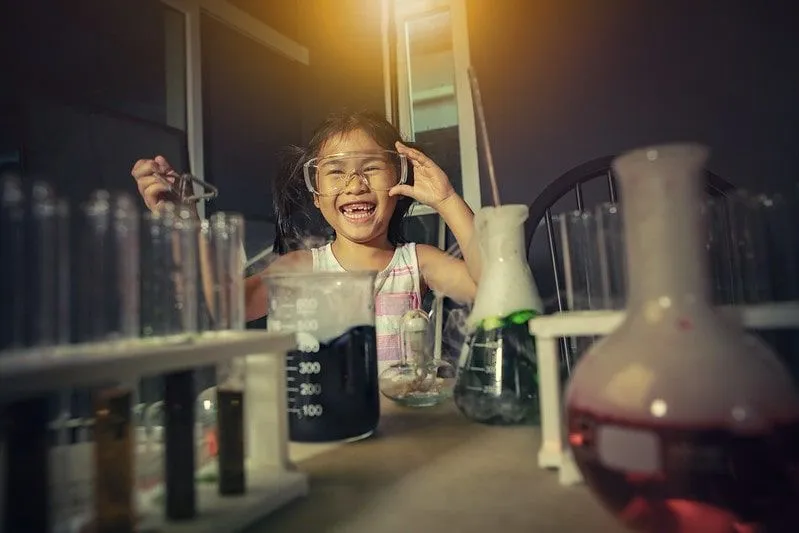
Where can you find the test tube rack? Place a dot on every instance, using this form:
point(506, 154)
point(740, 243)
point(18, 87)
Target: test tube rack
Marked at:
point(548, 331)
point(272, 481)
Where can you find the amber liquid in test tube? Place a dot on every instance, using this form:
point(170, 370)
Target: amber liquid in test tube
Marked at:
point(113, 453)
point(109, 272)
point(179, 271)
point(230, 427)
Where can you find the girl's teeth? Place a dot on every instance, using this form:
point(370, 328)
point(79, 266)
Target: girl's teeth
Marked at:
point(358, 212)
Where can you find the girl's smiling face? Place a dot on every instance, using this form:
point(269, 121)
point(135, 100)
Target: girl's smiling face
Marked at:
point(356, 211)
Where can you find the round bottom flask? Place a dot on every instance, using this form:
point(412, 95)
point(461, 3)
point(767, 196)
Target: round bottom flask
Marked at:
point(679, 421)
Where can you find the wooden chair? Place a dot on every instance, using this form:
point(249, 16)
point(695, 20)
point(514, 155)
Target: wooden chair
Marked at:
point(583, 187)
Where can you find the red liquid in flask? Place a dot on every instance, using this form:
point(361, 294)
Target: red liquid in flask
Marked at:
point(699, 479)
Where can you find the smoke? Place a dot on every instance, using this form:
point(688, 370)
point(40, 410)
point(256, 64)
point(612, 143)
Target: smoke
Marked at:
point(454, 331)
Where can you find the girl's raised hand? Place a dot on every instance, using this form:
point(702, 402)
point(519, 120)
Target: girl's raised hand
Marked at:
point(431, 185)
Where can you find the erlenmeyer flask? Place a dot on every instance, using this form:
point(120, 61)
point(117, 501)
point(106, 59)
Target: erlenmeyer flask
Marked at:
point(498, 378)
point(497, 375)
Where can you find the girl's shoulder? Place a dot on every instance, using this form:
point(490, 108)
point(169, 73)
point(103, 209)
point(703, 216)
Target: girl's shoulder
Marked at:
point(292, 261)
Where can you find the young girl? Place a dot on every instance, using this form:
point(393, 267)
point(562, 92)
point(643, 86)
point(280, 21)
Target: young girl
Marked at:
point(353, 171)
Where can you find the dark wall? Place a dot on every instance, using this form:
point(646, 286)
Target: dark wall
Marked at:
point(251, 110)
point(563, 83)
point(83, 91)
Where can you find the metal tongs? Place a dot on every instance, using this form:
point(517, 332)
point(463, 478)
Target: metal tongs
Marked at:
point(184, 190)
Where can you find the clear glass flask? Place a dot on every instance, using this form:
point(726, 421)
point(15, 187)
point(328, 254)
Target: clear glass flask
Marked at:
point(418, 379)
point(497, 373)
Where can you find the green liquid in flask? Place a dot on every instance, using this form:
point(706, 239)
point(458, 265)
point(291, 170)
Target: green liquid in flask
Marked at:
point(498, 379)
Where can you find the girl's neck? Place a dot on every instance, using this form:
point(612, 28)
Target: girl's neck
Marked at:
point(373, 255)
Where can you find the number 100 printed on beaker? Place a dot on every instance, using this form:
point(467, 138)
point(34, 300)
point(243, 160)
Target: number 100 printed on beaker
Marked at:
point(332, 375)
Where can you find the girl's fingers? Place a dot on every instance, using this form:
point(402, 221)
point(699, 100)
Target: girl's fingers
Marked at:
point(415, 155)
point(401, 190)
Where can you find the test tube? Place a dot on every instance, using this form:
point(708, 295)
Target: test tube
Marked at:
point(780, 232)
point(179, 387)
point(108, 311)
point(49, 266)
point(179, 445)
point(223, 276)
point(750, 250)
point(12, 280)
point(719, 248)
point(169, 273)
point(578, 235)
point(230, 429)
point(581, 269)
point(169, 277)
point(48, 297)
point(108, 269)
point(224, 239)
point(612, 265)
point(778, 213)
point(113, 452)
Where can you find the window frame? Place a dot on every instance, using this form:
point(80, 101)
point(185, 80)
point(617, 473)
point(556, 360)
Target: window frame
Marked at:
point(396, 78)
point(243, 23)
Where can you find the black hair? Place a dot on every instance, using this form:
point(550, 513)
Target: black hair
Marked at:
point(293, 201)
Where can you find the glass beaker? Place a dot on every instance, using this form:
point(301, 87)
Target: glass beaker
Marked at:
point(332, 375)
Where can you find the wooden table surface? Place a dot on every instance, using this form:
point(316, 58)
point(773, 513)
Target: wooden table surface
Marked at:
point(431, 470)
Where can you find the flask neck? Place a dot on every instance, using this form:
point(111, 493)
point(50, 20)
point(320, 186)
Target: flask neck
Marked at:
point(664, 225)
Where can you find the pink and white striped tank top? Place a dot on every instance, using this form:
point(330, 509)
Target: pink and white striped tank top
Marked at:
point(397, 290)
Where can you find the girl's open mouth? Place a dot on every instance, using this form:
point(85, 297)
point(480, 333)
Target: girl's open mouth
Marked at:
point(358, 212)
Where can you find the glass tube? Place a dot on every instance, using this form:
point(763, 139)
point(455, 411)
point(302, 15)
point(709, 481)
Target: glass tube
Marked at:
point(720, 251)
point(223, 275)
point(48, 267)
point(612, 267)
point(581, 270)
point(751, 277)
point(578, 237)
point(49, 264)
point(108, 269)
point(12, 267)
point(230, 430)
point(776, 214)
point(169, 310)
point(223, 281)
point(169, 273)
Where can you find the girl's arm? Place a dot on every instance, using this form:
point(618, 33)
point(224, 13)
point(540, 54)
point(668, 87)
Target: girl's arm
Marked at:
point(256, 297)
point(443, 273)
point(459, 218)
